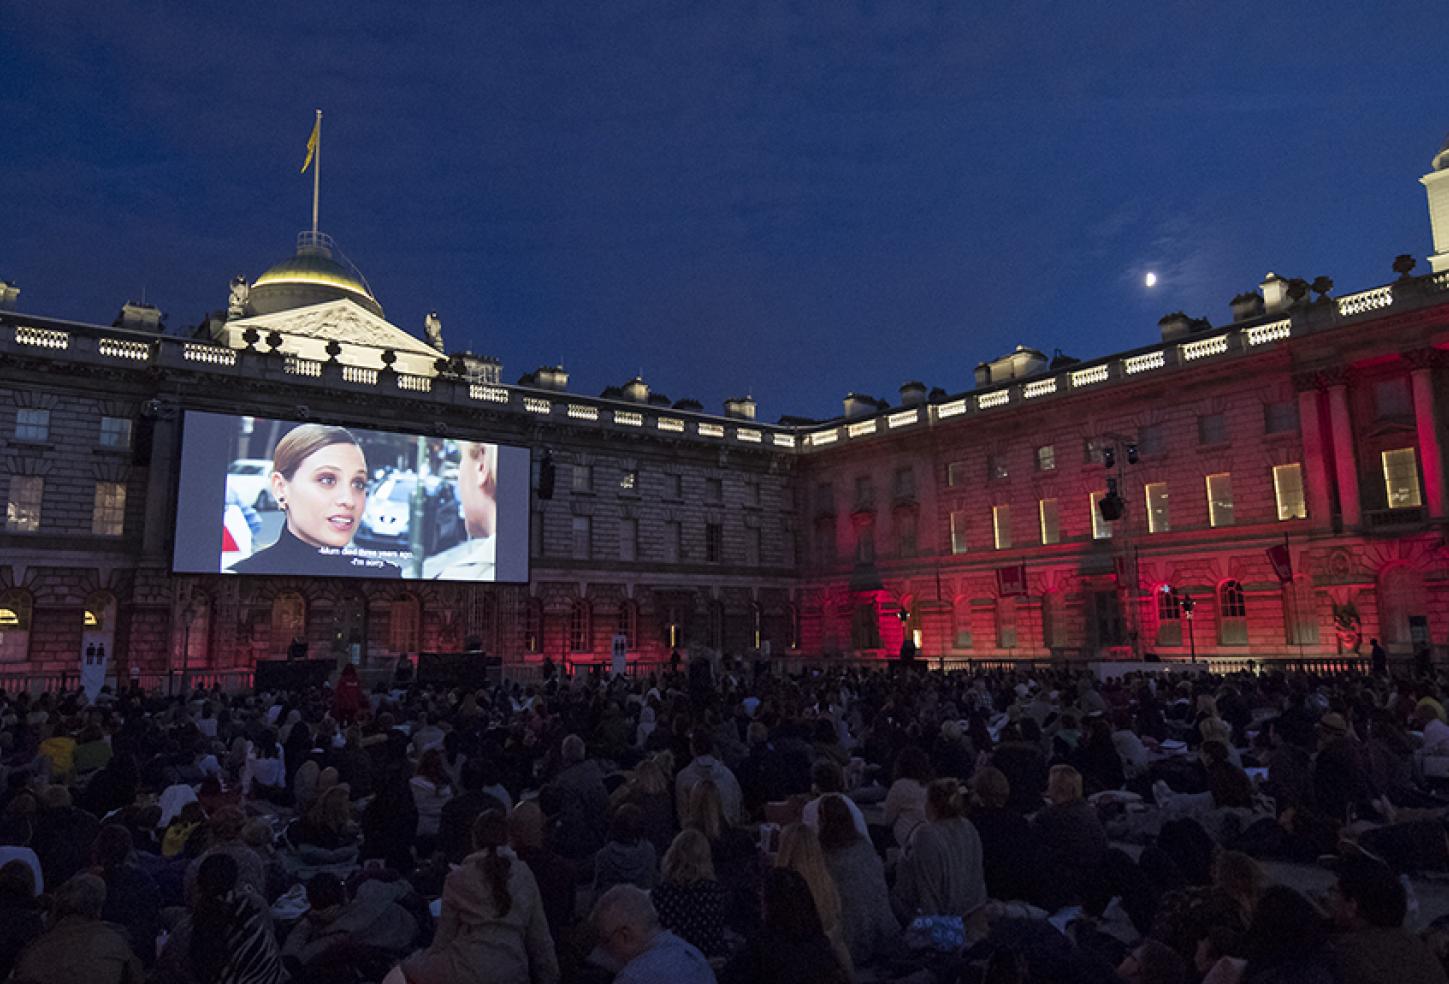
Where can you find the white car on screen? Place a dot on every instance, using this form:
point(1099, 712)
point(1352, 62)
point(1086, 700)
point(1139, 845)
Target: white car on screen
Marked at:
point(249, 480)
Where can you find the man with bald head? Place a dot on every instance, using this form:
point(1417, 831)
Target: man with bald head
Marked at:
point(628, 930)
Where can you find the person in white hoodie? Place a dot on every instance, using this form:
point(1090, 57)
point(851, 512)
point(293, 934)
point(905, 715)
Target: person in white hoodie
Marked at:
point(705, 766)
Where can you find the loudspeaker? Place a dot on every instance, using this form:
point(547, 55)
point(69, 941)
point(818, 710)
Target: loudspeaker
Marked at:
point(283, 674)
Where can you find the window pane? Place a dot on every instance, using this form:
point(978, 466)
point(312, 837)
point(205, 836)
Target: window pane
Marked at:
point(673, 541)
point(1391, 399)
point(629, 481)
point(22, 511)
point(115, 432)
point(1212, 428)
point(958, 532)
point(1050, 523)
point(1220, 499)
point(1101, 529)
point(1401, 478)
point(956, 473)
point(714, 489)
point(752, 546)
point(108, 515)
point(713, 542)
point(1046, 458)
point(1157, 517)
point(583, 478)
point(1288, 491)
point(1152, 439)
point(905, 483)
point(628, 539)
point(996, 467)
point(1001, 526)
point(32, 425)
point(1280, 418)
point(580, 538)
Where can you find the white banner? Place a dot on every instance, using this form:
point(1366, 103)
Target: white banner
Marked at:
point(95, 661)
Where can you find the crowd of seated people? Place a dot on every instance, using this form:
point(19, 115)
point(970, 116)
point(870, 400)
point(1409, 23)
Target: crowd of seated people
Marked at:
point(836, 826)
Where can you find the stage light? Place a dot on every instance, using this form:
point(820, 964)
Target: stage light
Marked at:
point(1131, 454)
point(1109, 457)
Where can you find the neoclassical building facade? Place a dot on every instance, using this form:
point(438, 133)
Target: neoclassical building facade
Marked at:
point(1269, 488)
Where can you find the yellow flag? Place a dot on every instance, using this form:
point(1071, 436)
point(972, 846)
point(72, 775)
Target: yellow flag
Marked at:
point(312, 143)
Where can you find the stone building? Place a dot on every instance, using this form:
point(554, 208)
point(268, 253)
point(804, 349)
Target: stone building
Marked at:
point(1271, 488)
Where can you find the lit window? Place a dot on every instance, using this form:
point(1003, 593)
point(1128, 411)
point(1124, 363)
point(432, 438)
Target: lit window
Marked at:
point(108, 517)
point(116, 432)
point(22, 511)
point(1401, 478)
point(629, 481)
point(628, 539)
point(1101, 529)
point(1046, 458)
point(580, 545)
point(1157, 517)
point(713, 542)
point(956, 474)
point(958, 531)
point(32, 425)
point(1050, 522)
point(1288, 491)
point(1001, 526)
point(580, 635)
point(1092, 450)
point(1220, 499)
point(1212, 428)
point(1169, 617)
point(583, 478)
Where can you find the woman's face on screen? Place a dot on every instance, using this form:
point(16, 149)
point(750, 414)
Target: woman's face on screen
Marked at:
point(325, 496)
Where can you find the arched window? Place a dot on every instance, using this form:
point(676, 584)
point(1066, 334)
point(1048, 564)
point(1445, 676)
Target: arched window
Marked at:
point(196, 635)
point(580, 632)
point(1169, 616)
point(865, 627)
point(1232, 615)
point(1006, 623)
point(289, 620)
point(627, 624)
point(961, 623)
point(15, 610)
point(533, 627)
point(403, 624)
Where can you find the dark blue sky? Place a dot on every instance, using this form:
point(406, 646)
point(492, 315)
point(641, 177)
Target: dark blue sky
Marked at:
point(795, 199)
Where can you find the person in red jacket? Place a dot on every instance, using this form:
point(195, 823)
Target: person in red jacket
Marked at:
point(348, 699)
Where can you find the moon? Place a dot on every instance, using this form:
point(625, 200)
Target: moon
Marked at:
point(1150, 280)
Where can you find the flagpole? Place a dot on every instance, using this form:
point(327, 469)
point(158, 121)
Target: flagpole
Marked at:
point(317, 175)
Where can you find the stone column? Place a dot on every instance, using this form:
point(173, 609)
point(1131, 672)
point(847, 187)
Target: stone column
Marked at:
point(160, 480)
point(1316, 486)
point(1422, 364)
point(1345, 465)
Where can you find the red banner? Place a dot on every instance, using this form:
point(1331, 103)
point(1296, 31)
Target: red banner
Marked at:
point(1011, 581)
point(1282, 563)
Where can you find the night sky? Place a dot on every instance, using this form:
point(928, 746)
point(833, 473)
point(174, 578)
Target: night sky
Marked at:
point(791, 199)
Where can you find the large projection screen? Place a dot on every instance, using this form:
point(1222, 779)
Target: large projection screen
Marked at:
point(264, 496)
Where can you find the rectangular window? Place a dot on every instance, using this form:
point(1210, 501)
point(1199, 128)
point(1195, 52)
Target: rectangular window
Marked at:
point(1046, 458)
point(825, 544)
point(864, 493)
point(673, 541)
point(824, 498)
point(752, 546)
point(1006, 623)
point(713, 542)
point(752, 493)
point(675, 486)
point(906, 533)
point(108, 515)
point(580, 546)
point(905, 484)
point(958, 531)
point(1212, 428)
point(956, 474)
point(1391, 399)
point(22, 512)
point(32, 425)
point(1001, 526)
point(1092, 450)
point(1401, 478)
point(1152, 439)
point(714, 490)
point(996, 469)
point(1280, 418)
point(1288, 491)
point(629, 481)
point(116, 432)
point(628, 539)
point(583, 478)
point(1220, 499)
point(1101, 529)
point(1050, 522)
point(1157, 518)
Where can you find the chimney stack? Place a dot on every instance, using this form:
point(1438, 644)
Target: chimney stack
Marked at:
point(860, 405)
point(740, 407)
point(637, 390)
point(913, 394)
point(140, 317)
point(551, 378)
point(1275, 294)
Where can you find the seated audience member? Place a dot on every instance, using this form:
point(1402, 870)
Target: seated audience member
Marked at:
point(790, 946)
point(1152, 962)
point(225, 831)
point(733, 852)
point(1287, 943)
point(627, 857)
point(1074, 845)
point(63, 835)
point(431, 789)
point(390, 824)
point(584, 801)
point(867, 923)
point(705, 767)
point(342, 938)
point(555, 875)
point(326, 834)
point(628, 930)
point(648, 789)
point(689, 900)
point(492, 926)
point(133, 902)
point(77, 946)
point(800, 852)
point(1372, 946)
point(827, 779)
point(905, 802)
point(941, 871)
point(455, 822)
point(22, 918)
point(1011, 855)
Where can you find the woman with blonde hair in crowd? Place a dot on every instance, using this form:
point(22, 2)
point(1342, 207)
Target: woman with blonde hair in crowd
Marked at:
point(690, 902)
point(732, 852)
point(800, 852)
point(648, 789)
